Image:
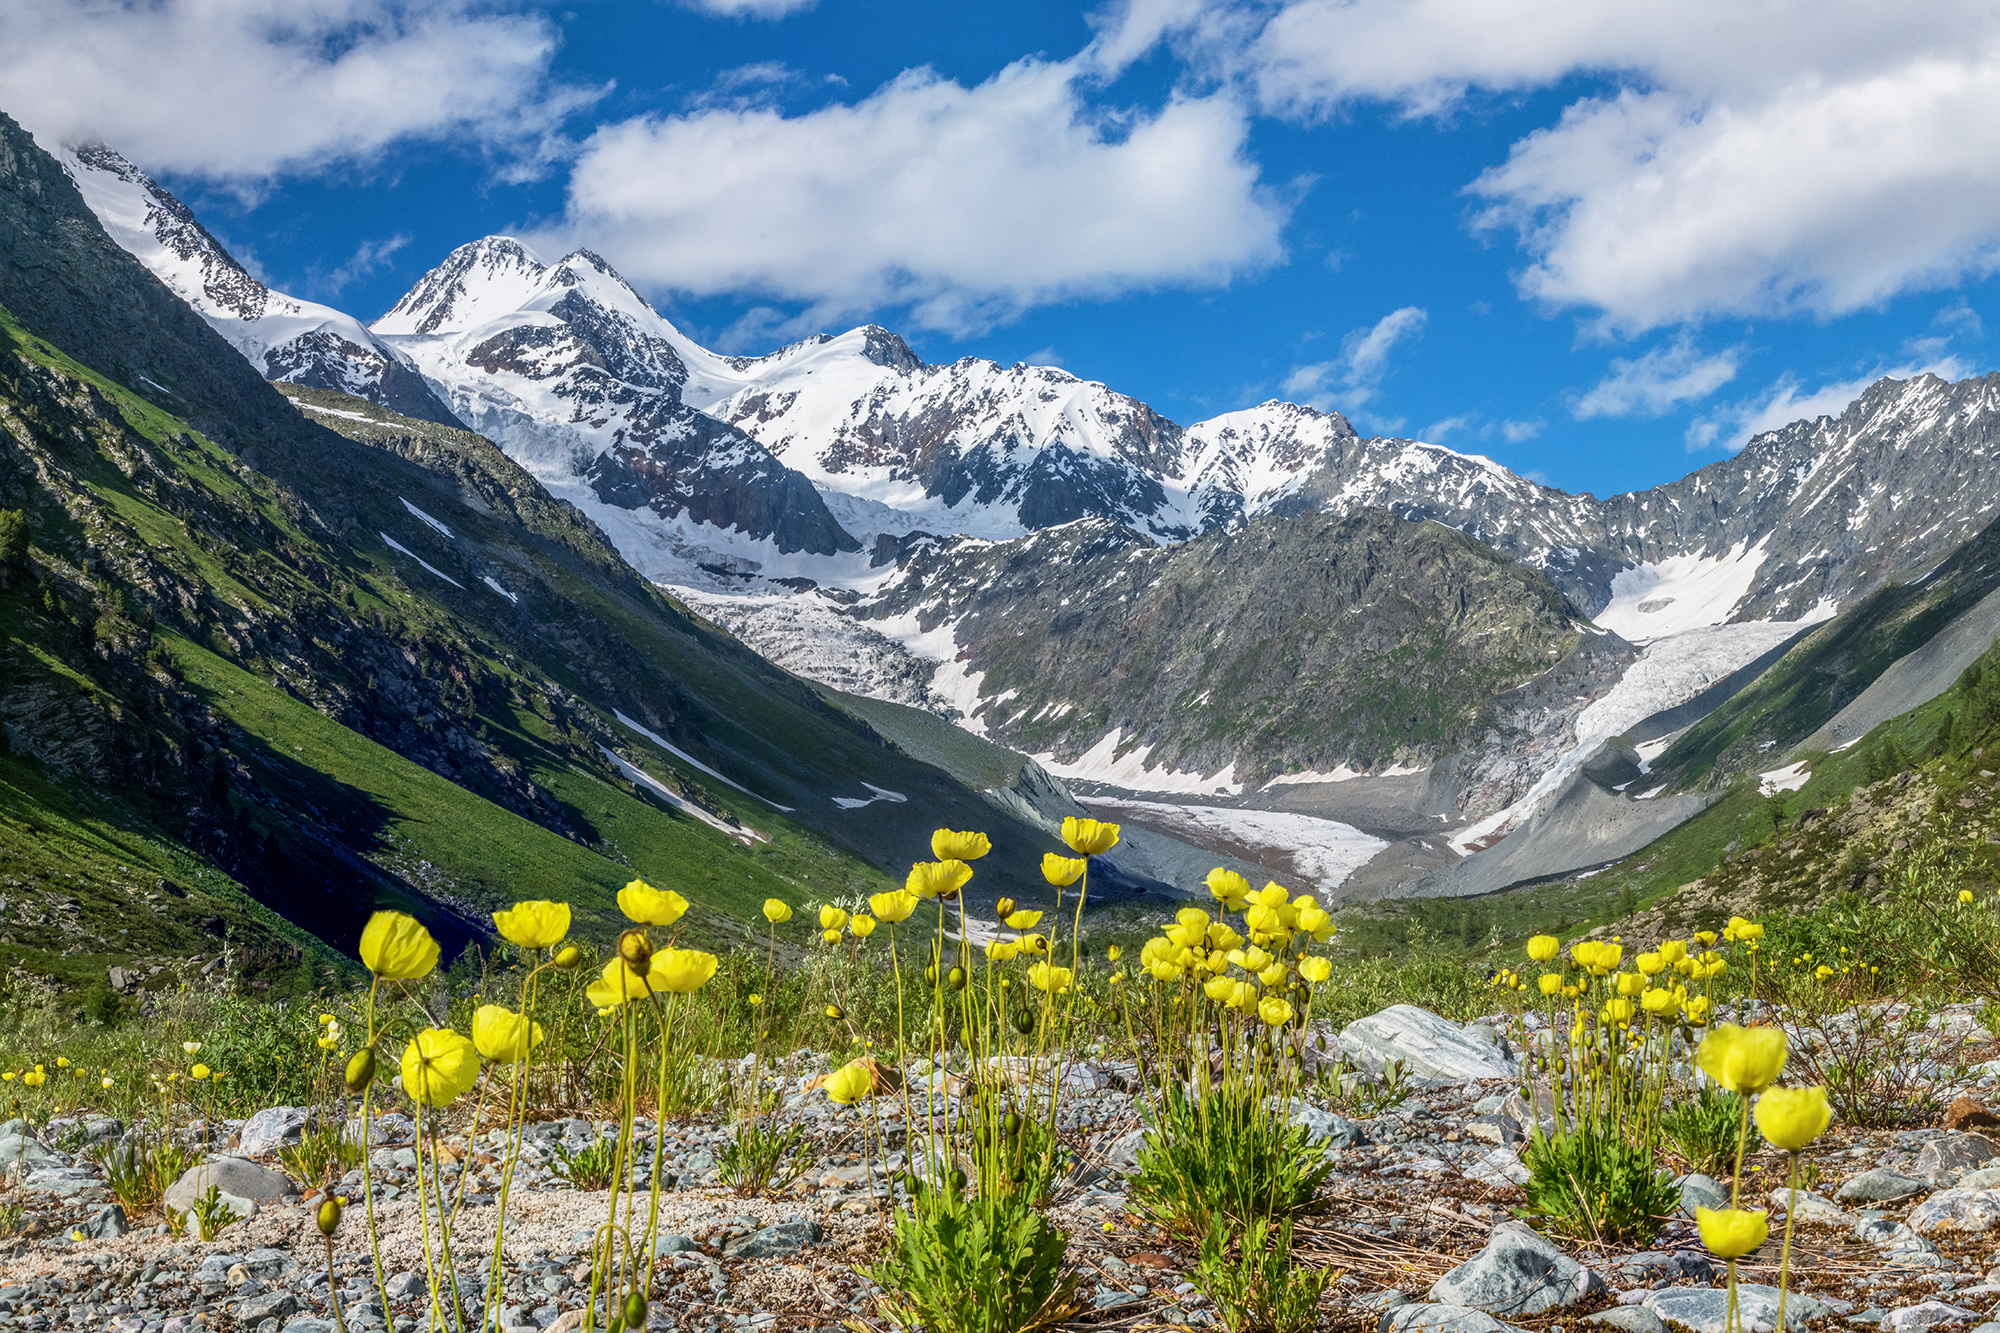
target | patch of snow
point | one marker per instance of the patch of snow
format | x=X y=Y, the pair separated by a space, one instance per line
x=1341 y=773
x=1784 y=779
x=881 y=794
x=335 y=412
x=688 y=759
x=745 y=834
x=1651 y=750
x=1668 y=673
x=395 y=545
x=1102 y=763
x=1683 y=592
x=428 y=519
x=1322 y=852
x=496 y=585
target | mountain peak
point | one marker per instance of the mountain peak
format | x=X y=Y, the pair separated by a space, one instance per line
x=478 y=280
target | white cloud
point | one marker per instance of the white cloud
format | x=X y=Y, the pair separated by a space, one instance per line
x=1352 y=379
x=969 y=205
x=1519 y=432
x=1734 y=425
x=1669 y=375
x=241 y=89
x=1439 y=431
x=749 y=9
x=1788 y=156
x=366 y=259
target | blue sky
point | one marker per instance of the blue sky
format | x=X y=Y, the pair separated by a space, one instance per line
x=1602 y=244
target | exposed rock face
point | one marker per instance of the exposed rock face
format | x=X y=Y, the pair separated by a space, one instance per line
x=1520 y=1272
x=1300 y=644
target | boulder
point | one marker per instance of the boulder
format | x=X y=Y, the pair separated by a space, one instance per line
x=1427 y=1045
x=1630 y=1318
x=1654 y=1268
x=1964 y=1113
x=1985 y=1178
x=1956 y=1210
x=1440 y=1319
x=1123 y=1155
x=1520 y=1272
x=1929 y=1314
x=1496 y=1168
x=1880 y=1185
x=106 y=1222
x=775 y=1241
x=1706 y=1309
x=1955 y=1153
x=269 y=1305
x=1699 y=1191
x=1810 y=1207
x=1900 y=1247
x=233 y=1176
x=22 y=1152
x=271 y=1129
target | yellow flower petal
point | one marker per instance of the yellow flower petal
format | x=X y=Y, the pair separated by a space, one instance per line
x=396 y=946
x=540 y=924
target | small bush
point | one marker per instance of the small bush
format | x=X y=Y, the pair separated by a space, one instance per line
x=764 y=1159
x=140 y=1171
x=1258 y=1289
x=1704 y=1130
x=324 y=1153
x=987 y=1264
x=589 y=1167
x=1224 y=1155
x=1590 y=1184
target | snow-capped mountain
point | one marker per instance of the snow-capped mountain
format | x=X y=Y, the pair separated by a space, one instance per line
x=283 y=337
x=579 y=378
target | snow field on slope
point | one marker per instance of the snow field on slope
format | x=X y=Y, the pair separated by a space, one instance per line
x=1684 y=592
x=1321 y=852
x=1669 y=673
x=809 y=638
x=1102 y=763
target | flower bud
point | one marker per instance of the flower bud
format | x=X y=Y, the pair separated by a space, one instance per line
x=636 y=950
x=329 y=1216
x=568 y=957
x=835 y=1012
x=1004 y=908
x=361 y=1070
x=635 y=1309
x=956 y=979
x=1024 y=1021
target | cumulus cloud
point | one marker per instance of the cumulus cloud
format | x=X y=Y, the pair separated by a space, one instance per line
x=368 y=257
x=749 y=9
x=967 y=204
x=242 y=89
x=1790 y=156
x=1733 y=425
x=1352 y=379
x=1657 y=382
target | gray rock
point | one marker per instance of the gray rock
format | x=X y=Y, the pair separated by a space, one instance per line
x=1440 y=1319
x=1699 y=1191
x=270 y=1305
x=1428 y=1046
x=670 y=1243
x=775 y=1241
x=305 y=1324
x=271 y=1129
x=1985 y=1178
x=1955 y=1153
x=406 y=1286
x=1705 y=1309
x=1123 y=1156
x=1811 y=1207
x=22 y=1153
x=1658 y=1267
x=1900 y=1246
x=107 y=1222
x=1514 y=1108
x=1880 y=1185
x=1496 y=1168
x=268 y=1265
x=1520 y=1272
x=1325 y=1127
x=1956 y=1210
x=232 y=1175
x=1631 y=1318
x=1928 y=1314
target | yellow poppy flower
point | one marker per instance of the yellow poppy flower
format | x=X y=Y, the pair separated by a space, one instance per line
x=1731 y=1233
x=1793 y=1117
x=617 y=984
x=777 y=911
x=1274 y=1011
x=937 y=879
x=1542 y=948
x=1316 y=969
x=533 y=925
x=681 y=971
x=1113 y=954
x=862 y=926
x=1002 y=951
x=1744 y=1060
x=893 y=906
x=650 y=906
x=438 y=1066
x=849 y=1083
x=397 y=946
x=1063 y=871
x=831 y=918
x=1088 y=837
x=501 y=1034
x=830 y=936
x=1023 y=919
x=1047 y=977
x=949 y=846
x=1316 y=922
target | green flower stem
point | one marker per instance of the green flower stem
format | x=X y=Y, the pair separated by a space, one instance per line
x=1785 y=1250
x=333 y=1289
x=424 y=1218
x=367 y=1173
